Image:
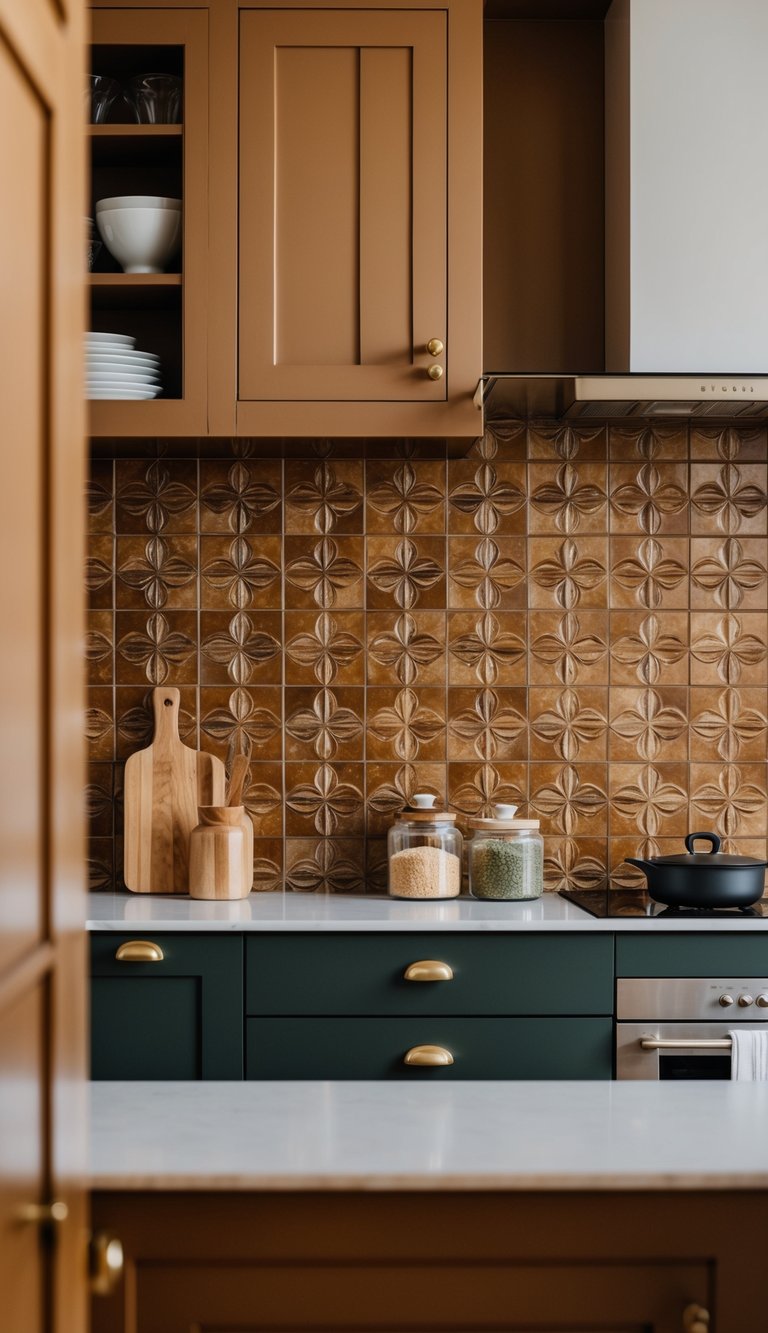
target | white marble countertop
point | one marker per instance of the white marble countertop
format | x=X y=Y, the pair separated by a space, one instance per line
x=392 y=1136
x=317 y=912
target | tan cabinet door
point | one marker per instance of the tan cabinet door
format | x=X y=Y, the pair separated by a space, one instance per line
x=343 y=205
x=42 y=463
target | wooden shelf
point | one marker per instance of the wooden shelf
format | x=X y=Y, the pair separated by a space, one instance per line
x=135 y=131
x=136 y=145
x=129 y=290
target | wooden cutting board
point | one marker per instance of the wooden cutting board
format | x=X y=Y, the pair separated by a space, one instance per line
x=164 y=785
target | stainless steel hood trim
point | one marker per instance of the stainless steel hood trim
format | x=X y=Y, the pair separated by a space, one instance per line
x=611 y=397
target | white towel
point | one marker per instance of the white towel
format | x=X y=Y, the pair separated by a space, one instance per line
x=749 y=1056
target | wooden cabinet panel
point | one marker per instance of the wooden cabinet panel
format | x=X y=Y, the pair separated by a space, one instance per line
x=343 y=186
x=493 y=974
x=22 y=1166
x=483 y=1048
x=180 y=1018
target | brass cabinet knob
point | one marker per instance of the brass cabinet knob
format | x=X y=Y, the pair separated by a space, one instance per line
x=428 y=969
x=435 y=372
x=106 y=1262
x=43 y=1214
x=139 y=951
x=428 y=1057
x=745 y=1001
x=695 y=1319
x=435 y=347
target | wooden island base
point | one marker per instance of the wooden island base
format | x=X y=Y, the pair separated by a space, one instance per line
x=465 y=1262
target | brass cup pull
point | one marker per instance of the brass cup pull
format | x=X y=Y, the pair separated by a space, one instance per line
x=435 y=372
x=43 y=1214
x=139 y=951
x=105 y=1263
x=428 y=1057
x=695 y=1319
x=429 y=969
x=435 y=347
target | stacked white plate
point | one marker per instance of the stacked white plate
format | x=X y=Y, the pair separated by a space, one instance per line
x=115 y=368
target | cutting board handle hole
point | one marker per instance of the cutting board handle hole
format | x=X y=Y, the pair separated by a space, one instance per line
x=168 y=703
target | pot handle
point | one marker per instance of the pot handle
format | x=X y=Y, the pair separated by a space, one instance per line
x=710 y=837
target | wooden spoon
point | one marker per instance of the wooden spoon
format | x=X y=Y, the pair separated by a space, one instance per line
x=240 y=767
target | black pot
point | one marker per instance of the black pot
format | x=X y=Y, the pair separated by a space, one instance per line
x=703 y=879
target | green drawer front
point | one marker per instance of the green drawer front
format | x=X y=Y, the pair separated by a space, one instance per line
x=692 y=955
x=493 y=974
x=373 y=1048
x=180 y=1018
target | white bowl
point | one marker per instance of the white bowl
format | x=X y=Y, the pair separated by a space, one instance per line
x=141 y=239
x=106 y=340
x=139 y=201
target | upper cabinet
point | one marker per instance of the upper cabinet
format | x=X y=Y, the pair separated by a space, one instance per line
x=339 y=222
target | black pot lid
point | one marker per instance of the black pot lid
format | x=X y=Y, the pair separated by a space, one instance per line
x=714 y=859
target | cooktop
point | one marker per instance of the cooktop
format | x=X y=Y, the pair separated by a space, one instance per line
x=635 y=902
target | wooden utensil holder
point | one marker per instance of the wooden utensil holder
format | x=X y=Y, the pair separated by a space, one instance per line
x=221 y=853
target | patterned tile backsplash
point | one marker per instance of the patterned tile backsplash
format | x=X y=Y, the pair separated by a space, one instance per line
x=574 y=619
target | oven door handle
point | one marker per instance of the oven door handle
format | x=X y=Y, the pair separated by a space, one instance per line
x=685 y=1044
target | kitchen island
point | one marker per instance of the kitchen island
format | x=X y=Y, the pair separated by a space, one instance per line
x=504 y=1206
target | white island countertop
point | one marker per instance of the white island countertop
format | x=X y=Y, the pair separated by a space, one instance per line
x=336 y=912
x=429 y=1136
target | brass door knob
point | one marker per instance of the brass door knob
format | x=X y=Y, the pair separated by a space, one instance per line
x=428 y=969
x=428 y=1057
x=106 y=1262
x=695 y=1319
x=139 y=951
x=435 y=372
x=43 y=1214
x=435 y=347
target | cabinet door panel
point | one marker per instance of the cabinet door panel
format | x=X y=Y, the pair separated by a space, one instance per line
x=343 y=204
x=483 y=1048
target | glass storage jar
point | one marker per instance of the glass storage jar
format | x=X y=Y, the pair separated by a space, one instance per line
x=424 y=849
x=506 y=857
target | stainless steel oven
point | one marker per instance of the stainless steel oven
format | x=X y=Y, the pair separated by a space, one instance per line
x=677 y=1028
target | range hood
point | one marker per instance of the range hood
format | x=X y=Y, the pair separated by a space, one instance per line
x=686 y=253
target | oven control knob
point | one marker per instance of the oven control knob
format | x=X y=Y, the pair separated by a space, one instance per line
x=762 y=1001
x=726 y=1000
x=745 y=1001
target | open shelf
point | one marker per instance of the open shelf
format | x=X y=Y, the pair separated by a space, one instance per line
x=161 y=291
x=140 y=146
x=135 y=131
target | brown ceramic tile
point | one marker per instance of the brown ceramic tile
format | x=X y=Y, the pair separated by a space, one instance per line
x=623 y=876
x=649 y=724
x=241 y=497
x=405 y=497
x=376 y=865
x=649 y=647
x=325 y=865
x=324 y=798
x=323 y=498
x=157 y=497
x=729 y=649
x=729 y=572
x=731 y=799
x=569 y=647
x=406 y=647
x=325 y=648
x=567 y=442
x=100 y=865
x=99 y=571
x=156 y=647
x=567 y=498
x=156 y=572
x=405 y=572
x=488 y=573
x=100 y=492
x=486 y=496
x=263 y=798
x=405 y=724
x=648 y=443
x=570 y=799
x=486 y=647
x=389 y=788
x=575 y=863
x=568 y=724
x=325 y=572
x=98 y=800
x=730 y=444
x=242 y=721
x=242 y=648
x=649 y=799
x=474 y=788
x=729 y=725
x=99 y=722
x=240 y=572
x=649 y=572
x=267 y=865
x=649 y=498
x=134 y=723
x=99 y=647
x=729 y=498
x=324 y=722
x=489 y=724
x=568 y=572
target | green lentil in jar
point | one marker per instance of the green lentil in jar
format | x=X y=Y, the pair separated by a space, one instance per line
x=503 y=868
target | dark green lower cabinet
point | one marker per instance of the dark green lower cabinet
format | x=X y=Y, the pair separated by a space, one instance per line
x=178 y=1018
x=483 y=1048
